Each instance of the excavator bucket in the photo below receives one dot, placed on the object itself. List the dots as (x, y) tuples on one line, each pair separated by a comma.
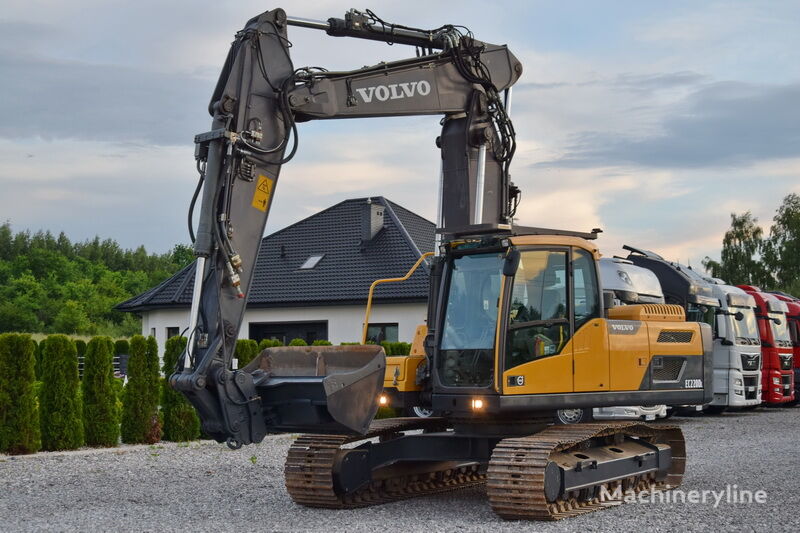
[(319, 389)]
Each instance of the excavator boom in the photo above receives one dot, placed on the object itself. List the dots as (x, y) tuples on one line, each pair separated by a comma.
[(256, 106)]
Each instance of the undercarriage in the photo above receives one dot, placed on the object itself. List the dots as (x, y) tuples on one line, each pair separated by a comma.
[(552, 473)]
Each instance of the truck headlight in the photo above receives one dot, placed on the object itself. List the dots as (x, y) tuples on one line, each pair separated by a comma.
[(738, 382)]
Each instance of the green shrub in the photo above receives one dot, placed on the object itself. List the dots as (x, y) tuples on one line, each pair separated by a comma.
[(403, 348), (349, 343), (180, 419), (322, 342), (121, 347), (298, 342), (60, 407), (19, 409), (268, 343), (80, 347), (100, 414), (140, 423), (246, 351), (388, 347)]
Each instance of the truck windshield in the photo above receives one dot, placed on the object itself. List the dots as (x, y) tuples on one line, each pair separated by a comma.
[(701, 313), (470, 321), (746, 329), (780, 331)]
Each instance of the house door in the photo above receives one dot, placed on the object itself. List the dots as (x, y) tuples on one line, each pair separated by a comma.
[(286, 331)]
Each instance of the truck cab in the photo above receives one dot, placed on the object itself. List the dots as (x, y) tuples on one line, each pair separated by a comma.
[(793, 305), (737, 348), (777, 376)]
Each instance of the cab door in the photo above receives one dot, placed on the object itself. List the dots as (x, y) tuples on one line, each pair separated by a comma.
[(538, 351), (590, 340)]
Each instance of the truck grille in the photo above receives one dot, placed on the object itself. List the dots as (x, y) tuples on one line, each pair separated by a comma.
[(751, 361), (751, 387), (667, 368), (786, 381), (786, 361), (675, 336)]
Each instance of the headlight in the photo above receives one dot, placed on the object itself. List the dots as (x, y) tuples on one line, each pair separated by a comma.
[(776, 381), (738, 382)]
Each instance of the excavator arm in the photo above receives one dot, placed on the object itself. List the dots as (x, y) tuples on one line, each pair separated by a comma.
[(257, 104)]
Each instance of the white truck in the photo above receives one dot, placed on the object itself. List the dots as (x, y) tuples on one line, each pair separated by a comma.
[(737, 350), (630, 285)]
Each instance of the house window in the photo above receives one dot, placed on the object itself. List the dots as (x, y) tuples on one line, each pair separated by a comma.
[(311, 262), (173, 332), (152, 332), (378, 333), (286, 331)]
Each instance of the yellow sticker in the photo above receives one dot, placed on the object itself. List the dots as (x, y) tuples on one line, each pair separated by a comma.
[(263, 193)]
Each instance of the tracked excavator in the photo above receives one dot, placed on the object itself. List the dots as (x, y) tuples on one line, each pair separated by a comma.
[(517, 324)]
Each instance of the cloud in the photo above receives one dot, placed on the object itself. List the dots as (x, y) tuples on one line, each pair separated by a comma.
[(722, 124)]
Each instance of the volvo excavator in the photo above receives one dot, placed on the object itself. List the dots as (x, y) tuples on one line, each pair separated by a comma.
[(517, 324)]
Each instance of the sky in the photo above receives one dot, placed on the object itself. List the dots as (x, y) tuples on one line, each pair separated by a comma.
[(651, 120)]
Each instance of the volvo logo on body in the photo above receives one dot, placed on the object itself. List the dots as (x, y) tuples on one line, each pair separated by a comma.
[(394, 91), (623, 327)]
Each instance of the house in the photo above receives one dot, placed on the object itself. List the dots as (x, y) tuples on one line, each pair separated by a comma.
[(312, 279)]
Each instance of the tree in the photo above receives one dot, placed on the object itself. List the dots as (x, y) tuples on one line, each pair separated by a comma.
[(742, 246), (60, 407), (139, 402), (180, 419), (100, 415), (782, 250), (72, 319), (121, 347), (19, 411)]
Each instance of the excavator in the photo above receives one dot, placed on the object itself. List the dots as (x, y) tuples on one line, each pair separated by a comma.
[(517, 324)]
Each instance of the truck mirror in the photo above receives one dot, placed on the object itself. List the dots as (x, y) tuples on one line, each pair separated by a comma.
[(608, 299), (511, 263), (739, 316)]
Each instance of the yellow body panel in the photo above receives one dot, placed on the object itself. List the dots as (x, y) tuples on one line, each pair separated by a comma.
[(604, 355), (590, 350), (401, 372), (548, 374)]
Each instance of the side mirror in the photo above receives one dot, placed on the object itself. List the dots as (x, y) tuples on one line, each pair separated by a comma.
[(511, 263), (739, 316)]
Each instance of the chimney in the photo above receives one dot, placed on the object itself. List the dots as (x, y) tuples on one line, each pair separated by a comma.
[(371, 221)]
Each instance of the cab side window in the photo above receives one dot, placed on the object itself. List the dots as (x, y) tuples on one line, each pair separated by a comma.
[(539, 313), (586, 294)]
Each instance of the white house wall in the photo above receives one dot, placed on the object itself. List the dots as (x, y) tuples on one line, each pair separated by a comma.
[(345, 322)]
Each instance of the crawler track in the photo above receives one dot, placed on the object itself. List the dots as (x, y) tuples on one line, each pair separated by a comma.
[(516, 474), (515, 478), (310, 465)]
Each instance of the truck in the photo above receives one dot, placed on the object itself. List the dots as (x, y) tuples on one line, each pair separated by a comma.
[(793, 317), (684, 287), (777, 375), (628, 285), (737, 350)]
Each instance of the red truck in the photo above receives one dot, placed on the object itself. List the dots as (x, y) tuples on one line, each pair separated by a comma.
[(777, 374), (793, 304)]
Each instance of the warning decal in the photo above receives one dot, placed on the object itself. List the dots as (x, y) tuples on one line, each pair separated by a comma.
[(263, 193)]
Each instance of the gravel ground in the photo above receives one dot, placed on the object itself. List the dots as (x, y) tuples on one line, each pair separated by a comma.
[(204, 486)]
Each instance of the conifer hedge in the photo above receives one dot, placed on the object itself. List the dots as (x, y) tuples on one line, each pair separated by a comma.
[(180, 419), (100, 415), (246, 351), (59, 403), (19, 411), (121, 347), (140, 423)]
